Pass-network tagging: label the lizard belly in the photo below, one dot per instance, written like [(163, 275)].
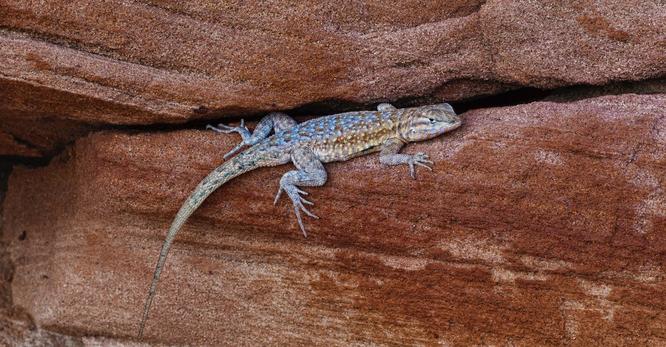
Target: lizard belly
[(341, 152)]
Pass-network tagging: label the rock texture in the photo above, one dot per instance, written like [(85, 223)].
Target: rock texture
[(143, 62), (542, 224)]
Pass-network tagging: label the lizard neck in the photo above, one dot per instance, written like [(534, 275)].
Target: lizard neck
[(403, 123)]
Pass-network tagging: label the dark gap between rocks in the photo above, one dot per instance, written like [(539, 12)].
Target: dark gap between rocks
[(326, 107), (304, 112)]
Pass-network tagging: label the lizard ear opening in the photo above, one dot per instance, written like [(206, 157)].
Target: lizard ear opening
[(446, 107), (384, 107)]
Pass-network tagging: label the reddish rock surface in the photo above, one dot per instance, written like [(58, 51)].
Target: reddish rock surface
[(119, 62), (542, 224)]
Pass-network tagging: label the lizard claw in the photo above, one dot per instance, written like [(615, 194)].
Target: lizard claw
[(420, 159), (234, 150), (298, 201), (277, 197), (226, 129)]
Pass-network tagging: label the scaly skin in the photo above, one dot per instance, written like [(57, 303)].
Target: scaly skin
[(308, 145)]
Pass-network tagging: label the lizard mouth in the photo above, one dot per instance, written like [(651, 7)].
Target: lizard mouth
[(453, 124)]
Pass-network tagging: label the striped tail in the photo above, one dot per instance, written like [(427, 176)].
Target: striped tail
[(225, 172)]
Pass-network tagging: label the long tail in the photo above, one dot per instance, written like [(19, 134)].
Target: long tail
[(214, 180)]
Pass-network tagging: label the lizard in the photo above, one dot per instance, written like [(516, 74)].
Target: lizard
[(308, 146)]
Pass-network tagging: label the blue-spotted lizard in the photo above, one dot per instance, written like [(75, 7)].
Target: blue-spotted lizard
[(308, 145)]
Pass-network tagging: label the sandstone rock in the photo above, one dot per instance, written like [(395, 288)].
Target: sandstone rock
[(151, 62), (541, 224)]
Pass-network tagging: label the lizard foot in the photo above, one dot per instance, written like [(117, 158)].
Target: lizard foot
[(420, 159), (225, 129), (298, 201)]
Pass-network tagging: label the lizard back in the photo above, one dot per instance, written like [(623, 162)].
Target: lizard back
[(341, 136)]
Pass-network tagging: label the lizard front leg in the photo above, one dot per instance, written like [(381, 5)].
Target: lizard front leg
[(310, 173), (389, 155), (276, 121)]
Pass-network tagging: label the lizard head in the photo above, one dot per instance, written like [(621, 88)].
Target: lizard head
[(426, 122)]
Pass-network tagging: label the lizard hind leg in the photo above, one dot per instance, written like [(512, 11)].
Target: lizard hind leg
[(310, 173), (276, 121), (226, 129)]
